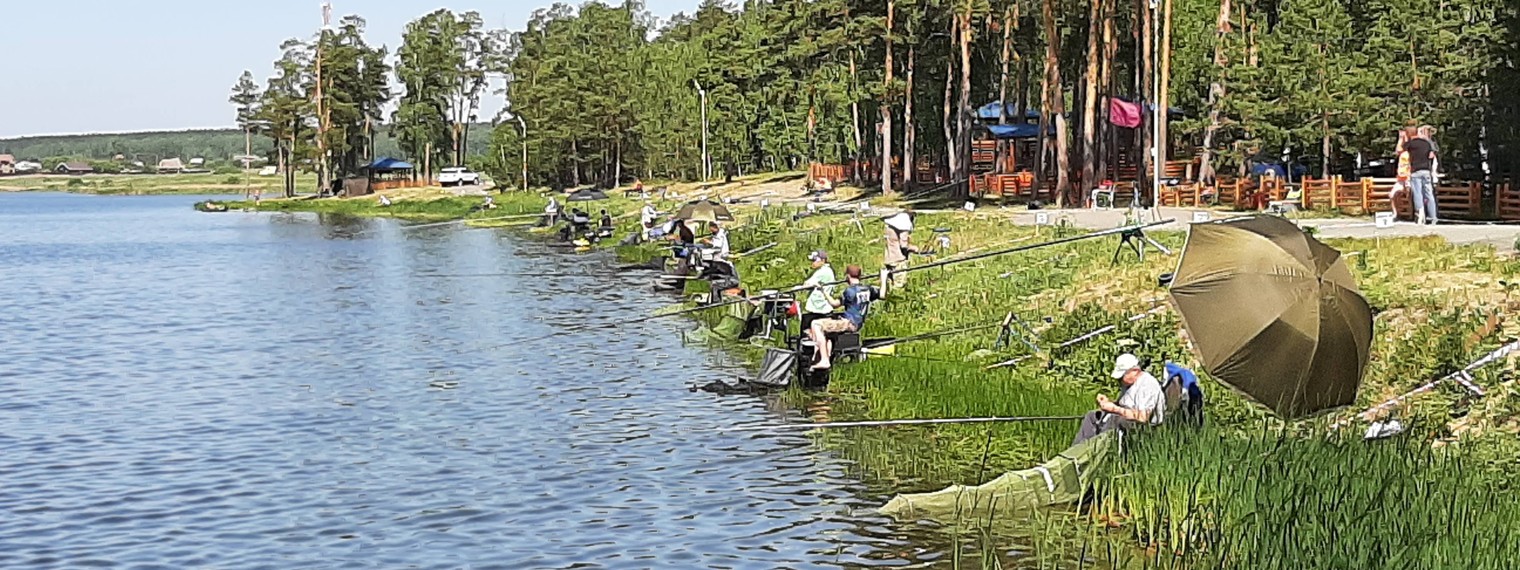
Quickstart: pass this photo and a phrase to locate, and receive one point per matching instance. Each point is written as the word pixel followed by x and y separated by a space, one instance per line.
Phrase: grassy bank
pixel 143 184
pixel 1248 491
pixel 1194 500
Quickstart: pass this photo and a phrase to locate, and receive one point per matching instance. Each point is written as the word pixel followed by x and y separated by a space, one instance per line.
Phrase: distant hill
pixel 211 144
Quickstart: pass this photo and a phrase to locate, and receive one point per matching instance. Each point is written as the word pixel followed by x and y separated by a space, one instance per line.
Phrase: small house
pixel 7 164
pixel 170 166
pixel 197 162
pixel 74 167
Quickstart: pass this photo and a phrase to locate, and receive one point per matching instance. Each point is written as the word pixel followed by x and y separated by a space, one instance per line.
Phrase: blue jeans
pixel 1422 194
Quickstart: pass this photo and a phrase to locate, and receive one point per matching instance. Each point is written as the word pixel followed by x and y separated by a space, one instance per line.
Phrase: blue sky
pixel 77 66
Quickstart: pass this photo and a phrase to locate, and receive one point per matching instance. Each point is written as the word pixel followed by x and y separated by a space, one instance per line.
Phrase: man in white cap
pixel 899 244
pixel 1141 403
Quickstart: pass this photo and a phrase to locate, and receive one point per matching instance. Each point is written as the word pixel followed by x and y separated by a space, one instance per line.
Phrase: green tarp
pixel 729 328
pixel 1061 480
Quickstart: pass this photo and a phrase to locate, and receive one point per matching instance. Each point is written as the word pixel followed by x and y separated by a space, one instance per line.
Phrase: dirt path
pixel 1502 237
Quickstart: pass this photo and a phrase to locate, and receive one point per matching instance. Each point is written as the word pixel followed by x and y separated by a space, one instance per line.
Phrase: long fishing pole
pixel 696 309
pixel 880 423
pixel 464 220
pixel 926 336
pixel 805 287
pixel 1033 246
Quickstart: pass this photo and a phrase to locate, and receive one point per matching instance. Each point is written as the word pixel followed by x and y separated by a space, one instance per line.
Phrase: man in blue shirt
pixel 856 301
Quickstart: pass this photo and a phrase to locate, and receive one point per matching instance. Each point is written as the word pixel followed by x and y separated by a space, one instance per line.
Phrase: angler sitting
pixel 1141 403
pixel 605 228
pixel 580 222
pixel 856 300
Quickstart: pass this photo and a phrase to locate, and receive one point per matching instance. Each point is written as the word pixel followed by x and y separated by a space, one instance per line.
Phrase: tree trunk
pixel 1145 138
pixel 1106 144
pixel 952 158
pixel 1091 77
pixel 1324 168
pixel 617 164
pixel 1164 142
pixel 855 118
pixel 1216 93
pixel 910 168
pixel 1008 16
pixel 575 165
pixel 886 112
pixel 1055 102
pixel 963 109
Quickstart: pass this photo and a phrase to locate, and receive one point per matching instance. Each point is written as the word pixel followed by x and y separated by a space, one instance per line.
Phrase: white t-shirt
pixel 1145 394
pixel 720 242
pixel 648 214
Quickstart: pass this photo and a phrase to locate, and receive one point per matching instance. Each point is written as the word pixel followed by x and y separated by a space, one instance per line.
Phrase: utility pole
pixel 706 160
pixel 524 149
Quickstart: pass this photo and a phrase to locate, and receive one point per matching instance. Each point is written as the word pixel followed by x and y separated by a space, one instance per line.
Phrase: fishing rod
pixel 505 274
pixel 879 423
pixel 1033 246
pixel 932 335
pixel 1089 336
pixel 805 287
pixel 463 220
pixel 696 309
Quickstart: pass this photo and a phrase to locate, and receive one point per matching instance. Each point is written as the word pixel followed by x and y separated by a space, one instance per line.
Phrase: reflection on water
pixel 292 391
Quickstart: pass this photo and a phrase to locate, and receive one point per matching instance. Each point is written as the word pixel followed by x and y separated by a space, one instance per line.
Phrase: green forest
pixel 215 145
pixel 605 89
pixel 603 93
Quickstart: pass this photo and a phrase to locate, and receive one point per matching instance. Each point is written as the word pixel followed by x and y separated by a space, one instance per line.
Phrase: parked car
pixel 458 176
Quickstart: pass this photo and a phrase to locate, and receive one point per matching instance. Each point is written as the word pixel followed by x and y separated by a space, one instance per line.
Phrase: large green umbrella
pixel 1274 313
pixel 704 211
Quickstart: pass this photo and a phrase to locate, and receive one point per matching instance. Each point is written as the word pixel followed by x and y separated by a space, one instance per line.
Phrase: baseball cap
pixel 818 255
pixel 1124 363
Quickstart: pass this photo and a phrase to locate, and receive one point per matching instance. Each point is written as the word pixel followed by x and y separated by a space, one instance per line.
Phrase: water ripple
pixel 293 391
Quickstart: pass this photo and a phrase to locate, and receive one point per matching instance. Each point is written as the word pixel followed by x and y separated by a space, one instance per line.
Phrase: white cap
pixel 1124 363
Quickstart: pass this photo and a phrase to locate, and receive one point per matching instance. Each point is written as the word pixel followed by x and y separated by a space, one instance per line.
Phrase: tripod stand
pixel 1137 240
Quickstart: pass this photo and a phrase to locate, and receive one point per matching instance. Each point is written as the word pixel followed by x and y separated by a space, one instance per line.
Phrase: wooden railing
pixel 1001 186
pixel 380 185
pixel 1507 202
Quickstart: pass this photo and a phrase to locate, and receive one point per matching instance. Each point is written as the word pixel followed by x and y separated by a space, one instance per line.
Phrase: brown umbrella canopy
pixel 1274 313
pixel 705 211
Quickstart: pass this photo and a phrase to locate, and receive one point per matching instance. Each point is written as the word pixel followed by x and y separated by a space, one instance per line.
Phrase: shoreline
pixel 1436 303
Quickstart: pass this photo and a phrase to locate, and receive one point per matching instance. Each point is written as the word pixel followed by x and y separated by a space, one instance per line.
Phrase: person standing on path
pixel 818 305
pixel 898 237
pixel 1422 158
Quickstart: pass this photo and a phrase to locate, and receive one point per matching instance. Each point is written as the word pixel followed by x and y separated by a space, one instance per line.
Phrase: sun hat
pixel 1124 363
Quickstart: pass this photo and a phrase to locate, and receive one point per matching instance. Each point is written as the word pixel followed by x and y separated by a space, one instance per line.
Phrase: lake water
pixel 240 390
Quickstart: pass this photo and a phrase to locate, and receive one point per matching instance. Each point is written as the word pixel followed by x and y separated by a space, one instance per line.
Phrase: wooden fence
pixel 1461 200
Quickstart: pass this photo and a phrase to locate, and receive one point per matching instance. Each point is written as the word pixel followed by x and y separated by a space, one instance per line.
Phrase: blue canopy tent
pixel 386 173
pixel 992 112
pixel 388 164
pixel 1018 131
